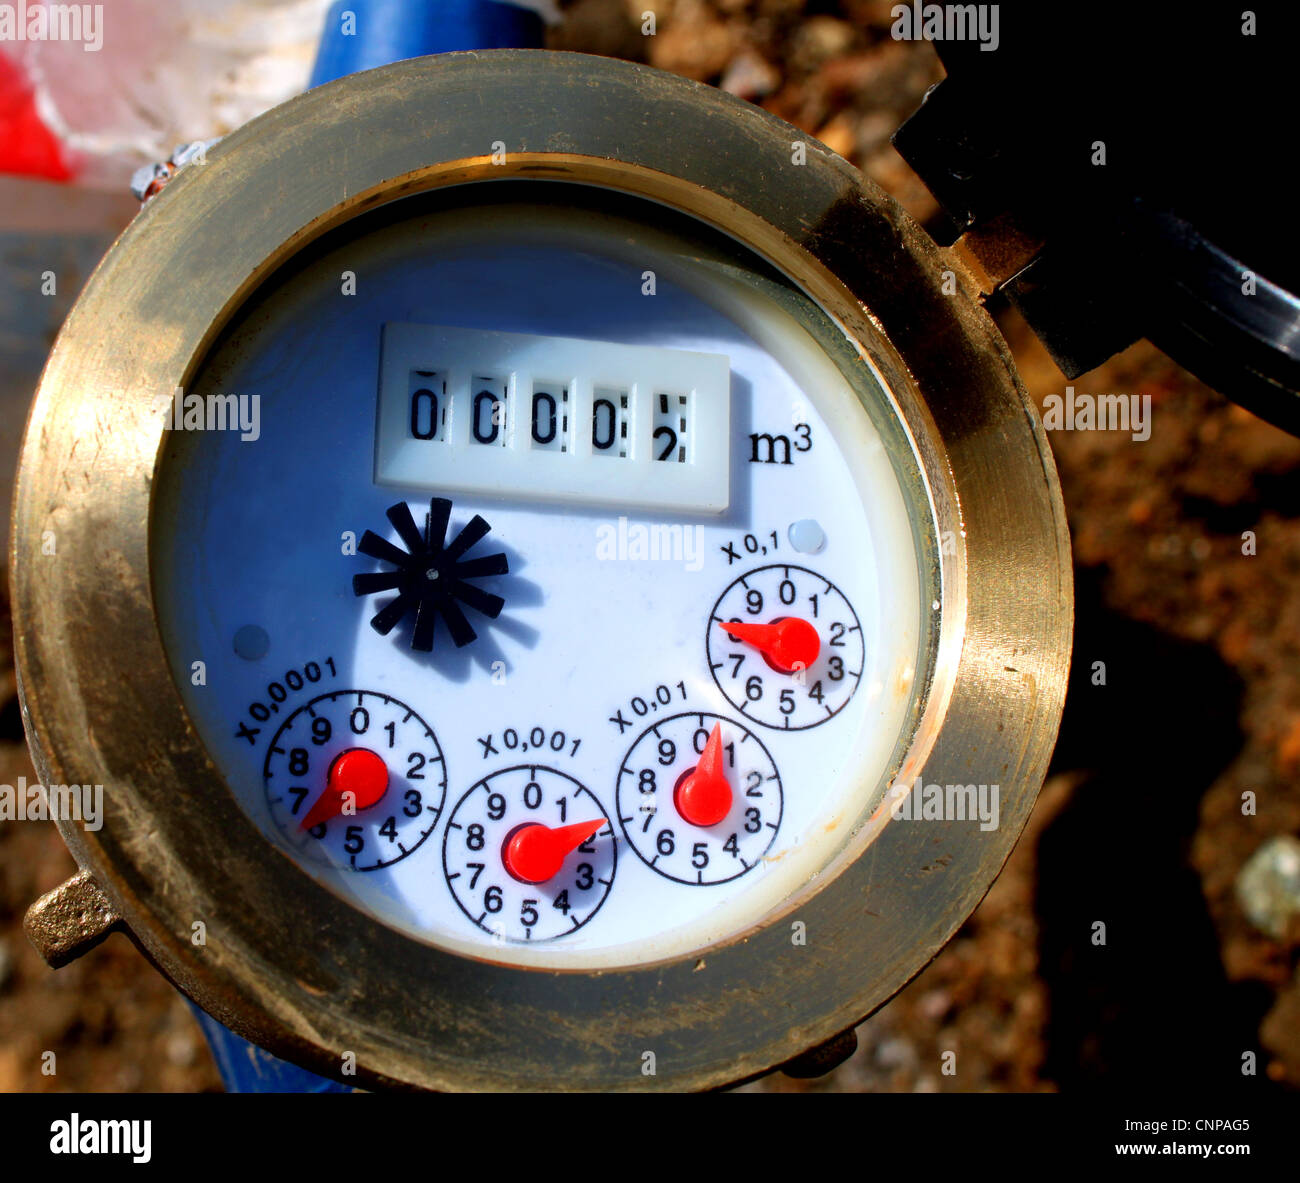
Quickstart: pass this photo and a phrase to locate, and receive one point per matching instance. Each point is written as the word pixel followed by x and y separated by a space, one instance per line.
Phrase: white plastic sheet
pixel 168 71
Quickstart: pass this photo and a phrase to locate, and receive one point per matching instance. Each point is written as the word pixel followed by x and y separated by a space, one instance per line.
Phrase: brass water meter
pixel 560 592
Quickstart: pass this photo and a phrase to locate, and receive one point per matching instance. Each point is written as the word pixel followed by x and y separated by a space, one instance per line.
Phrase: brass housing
pixel 100 706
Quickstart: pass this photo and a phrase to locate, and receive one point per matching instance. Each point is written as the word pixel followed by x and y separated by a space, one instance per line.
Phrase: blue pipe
pixel 362 34
pixel 247 1068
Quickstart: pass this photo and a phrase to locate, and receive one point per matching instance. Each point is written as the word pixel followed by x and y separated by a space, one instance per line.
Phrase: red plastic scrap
pixel 27 146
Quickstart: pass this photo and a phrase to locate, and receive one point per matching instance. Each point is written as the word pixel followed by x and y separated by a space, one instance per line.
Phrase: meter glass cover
pixel 545 575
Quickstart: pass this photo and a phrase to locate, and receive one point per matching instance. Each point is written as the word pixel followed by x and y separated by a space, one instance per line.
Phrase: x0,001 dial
pixel 355 778
pixel 529 854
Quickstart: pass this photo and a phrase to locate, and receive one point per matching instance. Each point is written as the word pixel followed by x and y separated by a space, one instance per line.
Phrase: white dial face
pixel 464 671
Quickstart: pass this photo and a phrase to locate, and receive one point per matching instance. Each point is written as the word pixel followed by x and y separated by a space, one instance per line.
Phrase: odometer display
pixel 465 410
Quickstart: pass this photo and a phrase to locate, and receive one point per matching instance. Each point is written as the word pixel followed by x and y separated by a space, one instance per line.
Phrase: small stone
pixel 180 1049
pixel 819 39
pixel 1288 748
pixel 694 45
pixel 839 135
pixel 1268 886
pixel 750 77
pixel 935 1005
pixel 895 1053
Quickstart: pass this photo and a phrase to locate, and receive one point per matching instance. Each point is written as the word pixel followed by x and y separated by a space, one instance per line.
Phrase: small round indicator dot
pixel 252 643
pixel 807 536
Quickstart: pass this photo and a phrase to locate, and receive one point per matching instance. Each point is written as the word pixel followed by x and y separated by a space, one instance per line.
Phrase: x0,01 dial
pixel 699 798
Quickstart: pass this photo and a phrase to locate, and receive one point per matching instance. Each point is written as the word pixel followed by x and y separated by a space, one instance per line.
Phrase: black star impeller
pixel 430 576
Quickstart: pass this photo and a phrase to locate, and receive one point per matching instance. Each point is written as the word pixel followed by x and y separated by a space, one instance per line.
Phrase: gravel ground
pixel 1140 824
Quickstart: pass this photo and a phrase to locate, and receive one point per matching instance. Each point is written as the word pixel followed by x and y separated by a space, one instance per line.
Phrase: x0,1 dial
pixel 785 646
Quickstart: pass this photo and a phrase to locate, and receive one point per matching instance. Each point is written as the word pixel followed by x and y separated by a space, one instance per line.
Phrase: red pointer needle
pixel 359 772
pixel 703 796
pixel 789 643
pixel 535 853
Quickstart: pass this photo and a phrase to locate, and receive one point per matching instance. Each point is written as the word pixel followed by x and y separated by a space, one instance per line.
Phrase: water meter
pixel 556 575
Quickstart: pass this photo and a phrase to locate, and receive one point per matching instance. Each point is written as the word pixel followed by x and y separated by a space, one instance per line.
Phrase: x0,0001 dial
pixel 699 798
pixel 794 656
pixel 529 854
pixel 355 778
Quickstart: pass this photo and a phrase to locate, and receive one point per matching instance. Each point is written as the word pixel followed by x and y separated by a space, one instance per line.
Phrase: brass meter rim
pixel 175 848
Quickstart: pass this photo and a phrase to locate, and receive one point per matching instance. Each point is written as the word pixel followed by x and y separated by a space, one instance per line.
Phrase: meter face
pixel 538 581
